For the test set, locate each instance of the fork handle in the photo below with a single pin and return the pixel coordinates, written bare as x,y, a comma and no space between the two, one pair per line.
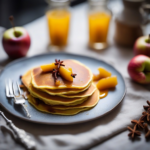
20,134
26,110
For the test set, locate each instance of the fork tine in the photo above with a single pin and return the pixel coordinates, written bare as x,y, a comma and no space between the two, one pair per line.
13,87
18,88
10,87
7,89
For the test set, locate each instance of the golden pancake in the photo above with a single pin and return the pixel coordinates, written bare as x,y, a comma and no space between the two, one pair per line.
85,93
61,110
51,99
47,108
42,80
26,79
54,100
90,102
65,91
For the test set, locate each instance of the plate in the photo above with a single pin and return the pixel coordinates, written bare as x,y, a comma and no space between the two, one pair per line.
20,66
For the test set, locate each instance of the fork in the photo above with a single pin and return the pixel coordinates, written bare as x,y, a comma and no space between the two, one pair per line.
18,99
20,135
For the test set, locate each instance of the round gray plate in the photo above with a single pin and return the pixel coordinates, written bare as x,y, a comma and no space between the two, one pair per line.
20,66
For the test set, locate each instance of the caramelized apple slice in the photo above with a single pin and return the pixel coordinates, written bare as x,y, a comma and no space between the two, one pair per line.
103,73
57,83
70,69
96,77
106,83
66,73
48,67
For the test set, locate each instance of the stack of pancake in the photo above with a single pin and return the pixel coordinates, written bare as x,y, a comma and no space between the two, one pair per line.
68,98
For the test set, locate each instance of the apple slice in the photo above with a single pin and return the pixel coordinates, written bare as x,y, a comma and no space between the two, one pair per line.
107,83
66,73
103,73
48,67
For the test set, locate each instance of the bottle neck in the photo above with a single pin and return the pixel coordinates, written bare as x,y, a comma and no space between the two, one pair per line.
97,3
59,3
98,6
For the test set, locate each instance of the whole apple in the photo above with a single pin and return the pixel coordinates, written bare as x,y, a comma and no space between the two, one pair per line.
139,69
16,42
142,46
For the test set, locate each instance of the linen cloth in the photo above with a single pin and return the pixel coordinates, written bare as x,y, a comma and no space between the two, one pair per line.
85,135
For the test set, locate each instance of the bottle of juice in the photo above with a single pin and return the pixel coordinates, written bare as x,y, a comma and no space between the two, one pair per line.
58,18
98,17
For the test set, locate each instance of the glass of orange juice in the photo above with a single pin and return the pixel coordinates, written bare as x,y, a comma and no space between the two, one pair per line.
58,18
99,18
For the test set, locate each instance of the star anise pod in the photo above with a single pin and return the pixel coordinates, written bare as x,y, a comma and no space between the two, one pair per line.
147,107
139,123
133,132
146,115
147,131
73,75
59,63
55,74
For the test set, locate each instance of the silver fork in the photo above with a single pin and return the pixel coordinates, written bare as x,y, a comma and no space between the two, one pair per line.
20,135
18,99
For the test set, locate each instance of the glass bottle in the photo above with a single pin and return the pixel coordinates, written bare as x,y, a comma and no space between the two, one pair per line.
58,19
99,18
130,22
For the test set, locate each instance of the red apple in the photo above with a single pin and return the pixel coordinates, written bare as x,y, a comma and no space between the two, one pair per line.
139,69
16,42
142,46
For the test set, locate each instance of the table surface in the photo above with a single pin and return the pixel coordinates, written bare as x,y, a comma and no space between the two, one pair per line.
78,39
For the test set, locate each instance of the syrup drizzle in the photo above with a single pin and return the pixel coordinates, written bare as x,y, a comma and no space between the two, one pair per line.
103,94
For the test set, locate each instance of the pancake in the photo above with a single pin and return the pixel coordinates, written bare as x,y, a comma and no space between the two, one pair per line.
26,79
85,93
46,108
51,99
90,102
54,100
42,80
61,110
65,91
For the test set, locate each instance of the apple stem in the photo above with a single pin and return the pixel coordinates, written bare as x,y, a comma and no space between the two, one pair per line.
11,18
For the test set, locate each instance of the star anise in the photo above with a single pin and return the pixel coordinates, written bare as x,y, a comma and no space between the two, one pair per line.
55,74
147,107
139,123
133,132
73,75
59,63
146,115
147,131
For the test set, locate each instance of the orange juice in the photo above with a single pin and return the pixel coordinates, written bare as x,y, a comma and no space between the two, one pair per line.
98,28
58,24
